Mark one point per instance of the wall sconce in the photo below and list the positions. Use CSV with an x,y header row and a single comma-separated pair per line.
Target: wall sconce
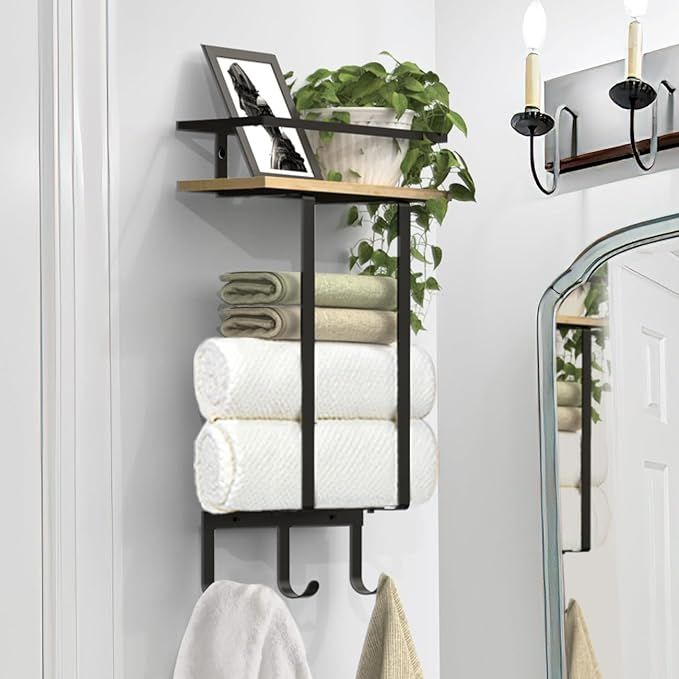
x,y
633,93
532,121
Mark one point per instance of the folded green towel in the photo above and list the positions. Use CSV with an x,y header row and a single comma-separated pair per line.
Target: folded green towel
x,y
332,325
569,418
569,394
332,289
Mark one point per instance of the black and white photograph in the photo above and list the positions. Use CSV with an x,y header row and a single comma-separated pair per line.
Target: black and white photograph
x,y
252,84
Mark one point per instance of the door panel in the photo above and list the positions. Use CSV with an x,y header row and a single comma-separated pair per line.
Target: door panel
x,y
646,369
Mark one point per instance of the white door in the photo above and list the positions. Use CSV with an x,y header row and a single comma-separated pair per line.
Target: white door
x,y
645,332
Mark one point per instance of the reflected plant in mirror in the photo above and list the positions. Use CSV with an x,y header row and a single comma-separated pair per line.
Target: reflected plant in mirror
x,y
588,300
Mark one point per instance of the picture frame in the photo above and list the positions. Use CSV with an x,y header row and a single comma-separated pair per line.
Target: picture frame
x,y
252,84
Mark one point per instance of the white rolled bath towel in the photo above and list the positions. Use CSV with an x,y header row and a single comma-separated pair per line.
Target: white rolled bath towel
x,y
245,378
571,536
569,457
255,465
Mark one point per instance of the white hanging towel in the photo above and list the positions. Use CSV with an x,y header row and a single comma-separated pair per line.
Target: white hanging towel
x,y
246,378
571,535
256,465
244,632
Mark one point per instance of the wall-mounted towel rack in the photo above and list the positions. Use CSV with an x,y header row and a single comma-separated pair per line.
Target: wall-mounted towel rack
x,y
310,192
586,326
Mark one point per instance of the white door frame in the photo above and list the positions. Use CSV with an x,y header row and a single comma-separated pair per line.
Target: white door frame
x,y
76,341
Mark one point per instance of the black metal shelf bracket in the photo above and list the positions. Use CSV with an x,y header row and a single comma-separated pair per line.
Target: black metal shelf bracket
x,y
585,438
229,126
283,522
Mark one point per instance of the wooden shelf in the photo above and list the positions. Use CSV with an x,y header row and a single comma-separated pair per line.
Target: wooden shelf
x,y
324,191
582,321
613,154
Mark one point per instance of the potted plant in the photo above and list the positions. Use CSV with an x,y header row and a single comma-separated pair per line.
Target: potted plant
x,y
593,298
406,95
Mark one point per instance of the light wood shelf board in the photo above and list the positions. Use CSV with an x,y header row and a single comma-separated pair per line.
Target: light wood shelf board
x,y
333,191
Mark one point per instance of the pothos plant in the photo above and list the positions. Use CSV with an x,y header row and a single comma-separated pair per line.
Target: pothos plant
x,y
406,86
569,363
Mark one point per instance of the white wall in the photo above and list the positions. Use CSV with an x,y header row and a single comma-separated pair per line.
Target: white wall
x,y
167,251
20,485
500,255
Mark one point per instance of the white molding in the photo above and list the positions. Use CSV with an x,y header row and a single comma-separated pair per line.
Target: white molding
x,y
76,417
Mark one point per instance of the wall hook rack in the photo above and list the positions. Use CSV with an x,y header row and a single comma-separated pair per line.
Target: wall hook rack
x,y
283,522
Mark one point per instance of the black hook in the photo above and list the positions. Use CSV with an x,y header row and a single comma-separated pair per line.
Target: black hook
x,y
356,559
284,567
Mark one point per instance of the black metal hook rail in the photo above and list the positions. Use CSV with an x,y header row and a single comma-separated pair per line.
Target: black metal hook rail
x,y
309,515
230,125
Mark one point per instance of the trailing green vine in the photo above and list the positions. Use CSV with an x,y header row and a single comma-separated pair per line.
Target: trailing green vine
x,y
426,165
568,364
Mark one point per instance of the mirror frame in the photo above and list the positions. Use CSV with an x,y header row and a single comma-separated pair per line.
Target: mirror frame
x,y
615,243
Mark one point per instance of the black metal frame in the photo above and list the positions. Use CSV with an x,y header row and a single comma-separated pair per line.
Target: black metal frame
x,y
309,515
585,437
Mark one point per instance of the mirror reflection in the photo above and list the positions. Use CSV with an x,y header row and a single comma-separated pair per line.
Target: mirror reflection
x,y
617,367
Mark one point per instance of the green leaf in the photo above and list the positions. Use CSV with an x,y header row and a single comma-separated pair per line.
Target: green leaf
x,y
353,173
399,103
317,75
365,252
380,258
288,74
352,261
460,192
352,215
407,67
438,92
438,208
413,85
389,54
458,121
334,176
341,117
417,293
415,323
325,136
416,254
375,68
432,284
409,161
436,254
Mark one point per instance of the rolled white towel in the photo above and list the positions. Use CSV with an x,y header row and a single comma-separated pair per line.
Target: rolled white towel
x,y
569,457
571,536
245,378
255,465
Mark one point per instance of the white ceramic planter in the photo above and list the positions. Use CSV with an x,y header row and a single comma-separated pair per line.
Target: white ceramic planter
x,y
361,159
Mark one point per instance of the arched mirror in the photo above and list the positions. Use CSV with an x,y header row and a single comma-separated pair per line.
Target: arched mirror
x,y
609,401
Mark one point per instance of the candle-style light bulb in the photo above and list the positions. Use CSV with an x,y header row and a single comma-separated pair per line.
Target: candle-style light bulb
x,y
635,9
534,31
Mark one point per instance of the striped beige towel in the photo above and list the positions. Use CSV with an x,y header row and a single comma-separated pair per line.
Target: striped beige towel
x,y
332,325
388,650
274,288
580,657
